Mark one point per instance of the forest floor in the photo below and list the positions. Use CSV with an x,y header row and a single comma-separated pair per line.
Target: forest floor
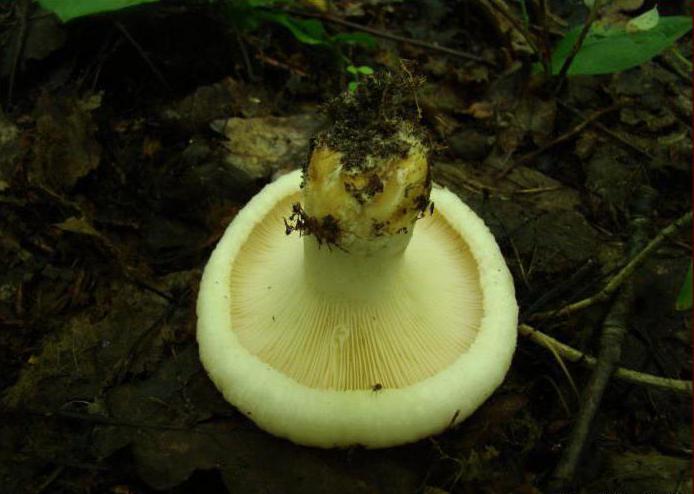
x,y
128,141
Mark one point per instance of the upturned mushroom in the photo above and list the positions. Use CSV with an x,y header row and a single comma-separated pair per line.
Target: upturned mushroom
x,y
328,319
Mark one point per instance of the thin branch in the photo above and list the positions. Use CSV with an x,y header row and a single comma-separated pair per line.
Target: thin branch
x,y
614,330
609,132
503,10
57,471
592,16
18,47
390,36
276,63
142,53
572,355
244,54
687,63
621,276
565,370
682,67
609,354
560,289
546,54
559,140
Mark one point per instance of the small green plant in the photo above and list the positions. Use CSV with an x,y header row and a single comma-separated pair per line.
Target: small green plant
x,y
71,9
609,49
356,72
245,16
250,15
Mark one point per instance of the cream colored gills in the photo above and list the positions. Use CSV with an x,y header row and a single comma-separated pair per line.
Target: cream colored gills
x,y
362,321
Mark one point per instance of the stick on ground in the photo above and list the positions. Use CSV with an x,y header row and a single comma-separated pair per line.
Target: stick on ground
x,y
572,355
390,36
621,276
614,330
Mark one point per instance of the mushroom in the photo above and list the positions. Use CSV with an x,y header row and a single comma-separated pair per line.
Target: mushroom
x,y
361,329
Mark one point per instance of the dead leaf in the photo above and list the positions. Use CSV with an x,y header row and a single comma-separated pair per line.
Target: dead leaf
x,y
612,175
504,28
87,352
44,35
65,146
636,473
78,225
320,5
261,146
223,99
536,117
442,97
9,148
480,110
538,214
150,147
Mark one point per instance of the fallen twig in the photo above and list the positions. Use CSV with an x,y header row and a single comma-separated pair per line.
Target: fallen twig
x,y
276,63
18,47
390,36
621,276
545,54
609,354
559,140
502,8
614,330
562,288
607,131
244,53
572,355
683,67
142,53
57,471
577,46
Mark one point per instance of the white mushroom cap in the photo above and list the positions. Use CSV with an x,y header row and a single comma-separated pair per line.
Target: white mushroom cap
x,y
415,348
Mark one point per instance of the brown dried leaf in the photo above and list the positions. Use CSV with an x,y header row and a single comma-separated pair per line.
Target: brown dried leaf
x,y
88,350
480,110
78,225
9,149
261,146
503,27
65,147
222,99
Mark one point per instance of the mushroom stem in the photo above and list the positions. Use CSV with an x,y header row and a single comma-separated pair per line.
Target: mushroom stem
x,y
353,277
367,180
357,221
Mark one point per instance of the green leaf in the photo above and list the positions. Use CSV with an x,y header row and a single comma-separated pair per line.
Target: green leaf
x,y
365,70
612,50
71,9
684,299
307,31
362,69
363,39
352,86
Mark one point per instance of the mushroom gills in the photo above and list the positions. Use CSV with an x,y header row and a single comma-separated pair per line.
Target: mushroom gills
x,y
392,328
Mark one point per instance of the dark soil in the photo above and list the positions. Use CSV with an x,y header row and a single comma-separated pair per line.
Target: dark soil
x,y
129,141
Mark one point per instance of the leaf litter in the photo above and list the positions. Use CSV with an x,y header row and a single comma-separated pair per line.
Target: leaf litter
x,y
112,194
